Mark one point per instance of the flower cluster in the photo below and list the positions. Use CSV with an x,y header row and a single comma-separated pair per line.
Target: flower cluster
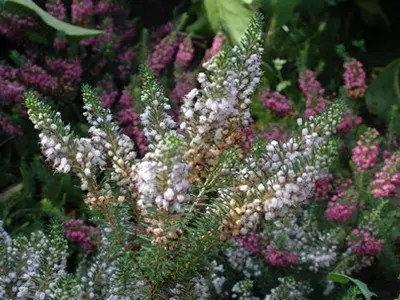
x,y
365,154
342,206
387,178
363,242
276,102
206,163
85,236
354,79
313,93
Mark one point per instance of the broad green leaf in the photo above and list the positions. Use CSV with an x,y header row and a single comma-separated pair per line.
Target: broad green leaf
x,y
384,94
373,8
68,29
283,10
232,15
341,278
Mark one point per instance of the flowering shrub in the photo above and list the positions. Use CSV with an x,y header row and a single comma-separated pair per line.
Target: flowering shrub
x,y
154,200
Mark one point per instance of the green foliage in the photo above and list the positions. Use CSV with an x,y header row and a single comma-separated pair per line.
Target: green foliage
x,y
341,278
383,96
232,15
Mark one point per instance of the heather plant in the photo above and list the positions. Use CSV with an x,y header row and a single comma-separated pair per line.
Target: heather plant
x,y
161,215
56,68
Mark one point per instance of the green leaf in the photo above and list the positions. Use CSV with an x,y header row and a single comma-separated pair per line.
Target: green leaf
x,y
283,10
384,94
233,15
68,29
340,278
372,8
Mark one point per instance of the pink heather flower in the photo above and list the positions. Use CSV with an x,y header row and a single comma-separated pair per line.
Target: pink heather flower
x,y
125,60
313,93
11,92
322,187
109,98
161,32
337,212
69,72
130,122
276,102
97,43
105,7
7,127
185,54
216,46
341,206
86,237
162,54
125,34
354,79
275,134
252,242
126,99
388,178
56,8
248,136
364,243
13,26
37,77
7,72
131,126
280,258
183,85
365,154
348,122
81,11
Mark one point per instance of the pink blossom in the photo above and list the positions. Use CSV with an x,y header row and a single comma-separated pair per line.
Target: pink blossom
x,y
313,93
323,187
275,133
131,126
248,136
81,11
354,79
184,84
69,72
109,98
97,43
37,77
9,128
348,122
86,237
252,242
216,47
342,205
125,60
56,8
126,99
280,258
337,212
161,32
130,122
185,54
14,26
276,102
11,92
365,154
387,178
162,54
363,242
